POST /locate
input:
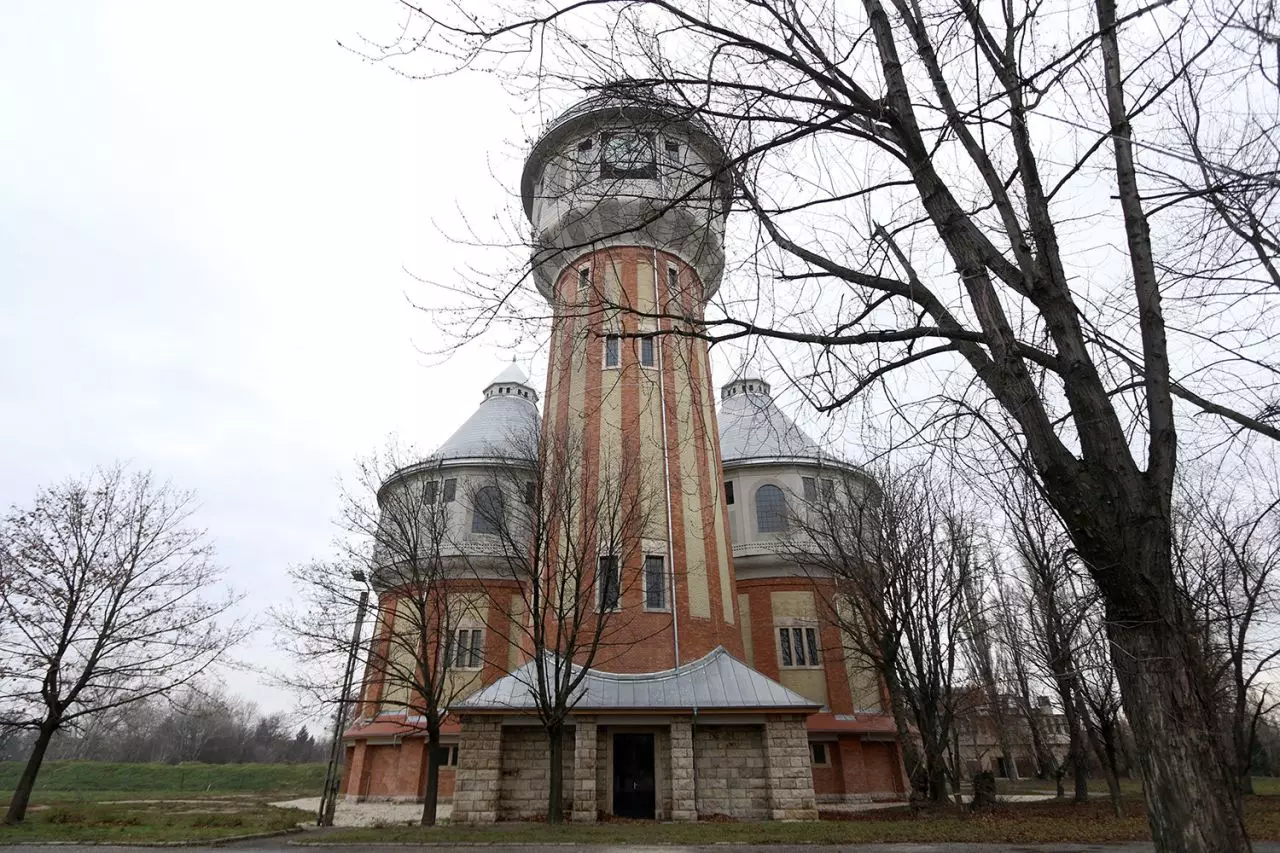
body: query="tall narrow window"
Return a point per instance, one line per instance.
(429, 492)
(673, 280)
(612, 351)
(647, 351)
(466, 648)
(609, 582)
(828, 489)
(655, 584)
(771, 509)
(810, 488)
(673, 150)
(450, 490)
(728, 492)
(798, 646)
(584, 281)
(530, 494)
(486, 511)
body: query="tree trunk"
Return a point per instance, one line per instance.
(432, 793)
(1113, 768)
(1193, 803)
(902, 729)
(1064, 682)
(1242, 737)
(555, 793)
(22, 793)
(1246, 784)
(1098, 741)
(1076, 754)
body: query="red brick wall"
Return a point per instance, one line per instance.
(880, 759)
(829, 779)
(637, 640)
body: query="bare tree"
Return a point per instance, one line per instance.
(1057, 608)
(571, 548)
(981, 650)
(397, 537)
(931, 178)
(1100, 700)
(899, 556)
(107, 597)
(1013, 632)
(1228, 555)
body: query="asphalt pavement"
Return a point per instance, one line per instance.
(295, 844)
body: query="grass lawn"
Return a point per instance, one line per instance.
(1023, 822)
(163, 820)
(95, 780)
(1268, 786)
(105, 802)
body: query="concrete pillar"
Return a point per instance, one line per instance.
(479, 775)
(585, 803)
(684, 805)
(787, 762)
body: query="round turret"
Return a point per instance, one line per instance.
(626, 168)
(772, 471)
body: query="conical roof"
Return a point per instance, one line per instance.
(504, 424)
(752, 427)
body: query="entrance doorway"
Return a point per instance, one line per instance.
(633, 777)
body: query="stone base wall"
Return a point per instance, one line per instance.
(475, 796)
(586, 780)
(683, 806)
(731, 776)
(747, 772)
(786, 749)
(526, 775)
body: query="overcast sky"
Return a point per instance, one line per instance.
(206, 214)
(205, 210)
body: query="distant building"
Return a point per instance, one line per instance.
(978, 734)
(732, 694)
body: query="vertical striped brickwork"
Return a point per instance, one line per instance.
(617, 417)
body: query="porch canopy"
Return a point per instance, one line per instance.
(716, 682)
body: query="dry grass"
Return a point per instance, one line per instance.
(1090, 823)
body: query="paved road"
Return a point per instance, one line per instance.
(283, 845)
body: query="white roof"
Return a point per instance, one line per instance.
(718, 681)
(502, 426)
(753, 427)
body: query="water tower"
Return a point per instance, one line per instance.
(627, 197)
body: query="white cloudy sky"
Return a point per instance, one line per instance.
(206, 213)
(205, 210)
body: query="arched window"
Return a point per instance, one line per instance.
(486, 511)
(771, 510)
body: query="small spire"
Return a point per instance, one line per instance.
(511, 382)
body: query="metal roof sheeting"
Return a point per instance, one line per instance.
(718, 681)
(504, 425)
(753, 427)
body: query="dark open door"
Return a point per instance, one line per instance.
(633, 783)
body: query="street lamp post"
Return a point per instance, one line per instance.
(333, 772)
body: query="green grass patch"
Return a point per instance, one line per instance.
(1090, 823)
(1267, 786)
(169, 820)
(90, 779)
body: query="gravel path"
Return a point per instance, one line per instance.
(369, 814)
